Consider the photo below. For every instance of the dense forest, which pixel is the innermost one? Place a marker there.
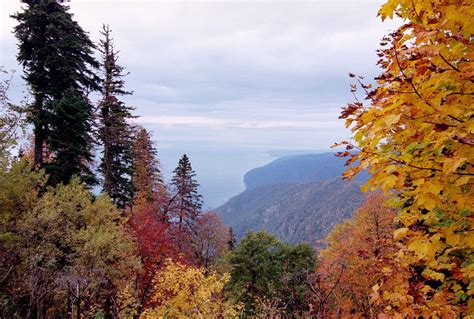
(117, 241)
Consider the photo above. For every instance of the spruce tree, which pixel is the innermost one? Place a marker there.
(147, 180)
(186, 202)
(115, 132)
(69, 139)
(57, 57)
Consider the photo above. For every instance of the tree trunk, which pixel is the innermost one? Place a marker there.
(78, 298)
(39, 130)
(107, 161)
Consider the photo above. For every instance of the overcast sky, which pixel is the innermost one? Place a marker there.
(233, 79)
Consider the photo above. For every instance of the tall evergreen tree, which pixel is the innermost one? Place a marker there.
(57, 56)
(115, 132)
(186, 202)
(70, 140)
(146, 179)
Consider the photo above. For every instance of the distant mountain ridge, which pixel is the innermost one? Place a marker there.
(286, 152)
(298, 168)
(298, 198)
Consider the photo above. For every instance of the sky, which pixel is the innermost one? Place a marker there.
(227, 81)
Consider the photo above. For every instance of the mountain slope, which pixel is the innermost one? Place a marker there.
(297, 168)
(293, 211)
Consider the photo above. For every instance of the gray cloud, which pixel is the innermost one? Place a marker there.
(233, 74)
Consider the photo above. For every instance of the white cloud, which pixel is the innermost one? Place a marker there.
(181, 120)
(219, 123)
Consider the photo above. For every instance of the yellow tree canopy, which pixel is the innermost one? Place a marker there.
(182, 291)
(416, 138)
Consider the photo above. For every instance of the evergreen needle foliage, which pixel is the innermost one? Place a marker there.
(57, 57)
(115, 133)
(186, 202)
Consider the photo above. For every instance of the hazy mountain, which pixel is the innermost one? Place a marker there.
(298, 198)
(281, 153)
(298, 168)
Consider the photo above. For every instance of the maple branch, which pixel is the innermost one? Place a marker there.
(416, 13)
(424, 116)
(364, 87)
(408, 164)
(404, 92)
(455, 118)
(409, 80)
(447, 62)
(355, 96)
(427, 168)
(415, 166)
(434, 123)
(461, 93)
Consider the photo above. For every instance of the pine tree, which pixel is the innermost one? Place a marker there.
(147, 180)
(115, 132)
(57, 56)
(186, 202)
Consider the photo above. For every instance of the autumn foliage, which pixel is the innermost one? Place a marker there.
(182, 291)
(415, 136)
(154, 245)
(145, 249)
(353, 262)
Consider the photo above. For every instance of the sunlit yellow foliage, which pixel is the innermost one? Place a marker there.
(416, 138)
(182, 291)
(128, 302)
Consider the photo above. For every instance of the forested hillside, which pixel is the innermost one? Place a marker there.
(298, 198)
(89, 227)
